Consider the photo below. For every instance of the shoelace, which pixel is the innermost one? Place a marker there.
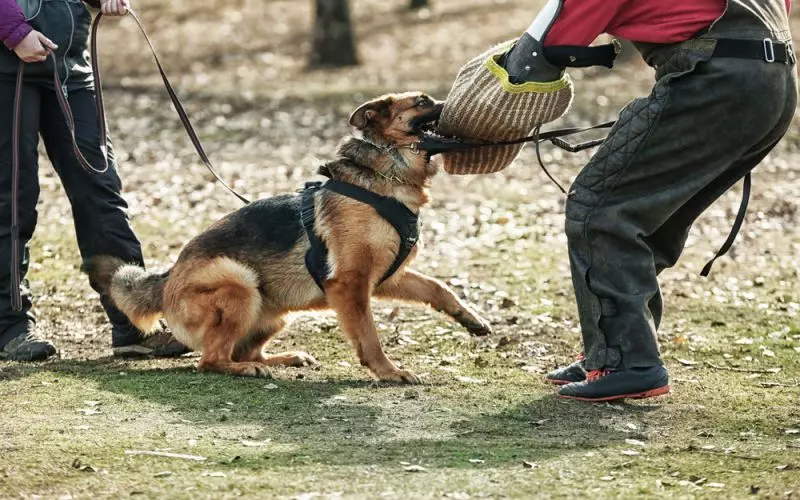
(596, 374)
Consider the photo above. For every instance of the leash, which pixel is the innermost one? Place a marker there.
(16, 296)
(173, 96)
(438, 145)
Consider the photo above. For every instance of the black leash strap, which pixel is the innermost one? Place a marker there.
(439, 145)
(737, 225)
(16, 294)
(187, 124)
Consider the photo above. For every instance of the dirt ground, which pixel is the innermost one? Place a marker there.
(484, 425)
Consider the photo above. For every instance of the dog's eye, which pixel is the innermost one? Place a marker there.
(422, 103)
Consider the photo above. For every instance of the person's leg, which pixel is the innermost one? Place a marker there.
(17, 337)
(682, 146)
(98, 209)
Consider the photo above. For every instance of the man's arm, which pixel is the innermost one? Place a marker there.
(580, 22)
(13, 28)
(560, 25)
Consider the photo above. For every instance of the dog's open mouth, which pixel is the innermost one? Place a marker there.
(428, 123)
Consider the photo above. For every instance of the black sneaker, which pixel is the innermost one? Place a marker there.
(607, 385)
(158, 345)
(576, 372)
(27, 347)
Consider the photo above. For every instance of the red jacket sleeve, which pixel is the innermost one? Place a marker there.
(13, 27)
(581, 21)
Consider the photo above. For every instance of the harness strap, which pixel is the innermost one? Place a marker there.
(317, 256)
(737, 225)
(576, 56)
(763, 50)
(403, 220)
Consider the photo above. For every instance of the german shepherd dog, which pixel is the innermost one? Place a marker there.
(232, 286)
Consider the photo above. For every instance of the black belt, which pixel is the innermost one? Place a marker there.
(763, 50)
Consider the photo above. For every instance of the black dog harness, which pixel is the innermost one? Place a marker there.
(403, 220)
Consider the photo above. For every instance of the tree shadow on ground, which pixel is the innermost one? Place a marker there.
(324, 427)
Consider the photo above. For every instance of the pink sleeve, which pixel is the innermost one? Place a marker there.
(13, 27)
(581, 21)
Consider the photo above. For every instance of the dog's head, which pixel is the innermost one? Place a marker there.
(397, 119)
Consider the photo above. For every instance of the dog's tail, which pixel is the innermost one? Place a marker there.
(136, 292)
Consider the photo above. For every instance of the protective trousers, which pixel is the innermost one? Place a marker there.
(707, 122)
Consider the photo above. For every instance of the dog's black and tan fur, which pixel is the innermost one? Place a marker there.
(232, 285)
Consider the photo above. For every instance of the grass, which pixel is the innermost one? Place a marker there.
(484, 424)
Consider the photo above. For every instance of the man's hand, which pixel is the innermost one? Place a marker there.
(115, 7)
(33, 48)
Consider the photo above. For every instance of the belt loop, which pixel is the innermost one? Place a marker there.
(769, 50)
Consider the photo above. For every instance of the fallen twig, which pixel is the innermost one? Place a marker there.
(741, 370)
(166, 454)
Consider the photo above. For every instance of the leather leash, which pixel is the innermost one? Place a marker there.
(16, 296)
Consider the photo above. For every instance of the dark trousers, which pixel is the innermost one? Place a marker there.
(98, 210)
(705, 125)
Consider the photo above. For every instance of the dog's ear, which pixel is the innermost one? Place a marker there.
(368, 111)
(324, 170)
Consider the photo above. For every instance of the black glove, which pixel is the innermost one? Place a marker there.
(525, 62)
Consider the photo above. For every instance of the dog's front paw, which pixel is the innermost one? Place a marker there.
(401, 377)
(474, 324)
(299, 359)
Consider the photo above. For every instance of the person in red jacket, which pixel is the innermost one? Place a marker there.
(30, 30)
(725, 94)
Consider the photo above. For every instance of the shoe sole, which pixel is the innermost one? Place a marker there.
(137, 351)
(652, 393)
(560, 382)
(132, 351)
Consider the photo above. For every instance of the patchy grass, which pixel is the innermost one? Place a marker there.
(484, 424)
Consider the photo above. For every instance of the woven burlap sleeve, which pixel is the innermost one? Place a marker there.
(484, 106)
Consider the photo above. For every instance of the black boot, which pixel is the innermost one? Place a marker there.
(159, 344)
(576, 372)
(22, 343)
(606, 385)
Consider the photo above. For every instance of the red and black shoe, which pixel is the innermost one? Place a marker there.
(576, 372)
(607, 385)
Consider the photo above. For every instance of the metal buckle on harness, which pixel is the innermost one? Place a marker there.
(769, 50)
(314, 185)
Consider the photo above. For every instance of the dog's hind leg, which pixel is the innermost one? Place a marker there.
(416, 287)
(218, 304)
(349, 295)
(251, 348)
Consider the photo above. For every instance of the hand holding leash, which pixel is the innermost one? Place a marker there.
(115, 7)
(34, 47)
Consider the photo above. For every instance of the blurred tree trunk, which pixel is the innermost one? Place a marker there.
(334, 43)
(418, 4)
